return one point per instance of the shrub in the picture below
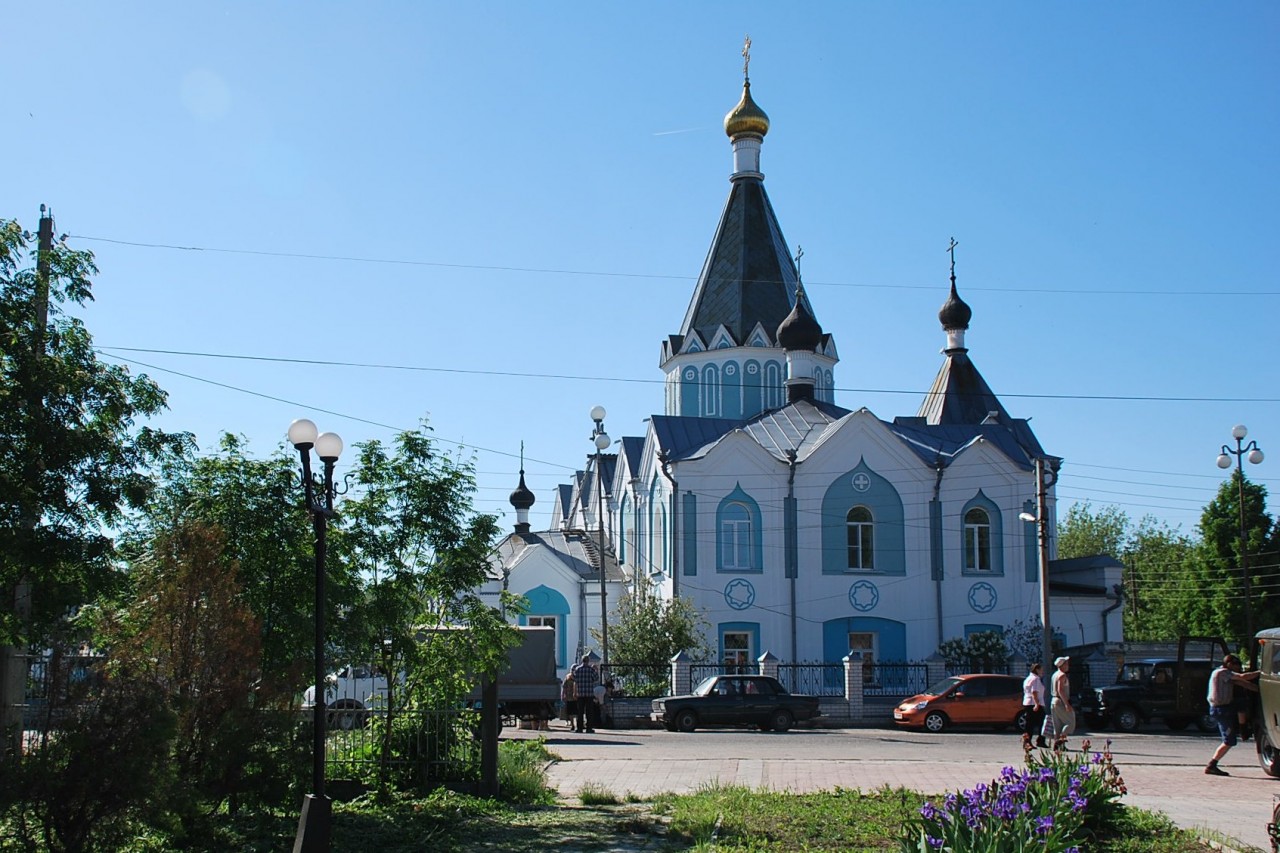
(1058, 803)
(522, 776)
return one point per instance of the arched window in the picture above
(735, 537)
(977, 540)
(861, 541)
(658, 557)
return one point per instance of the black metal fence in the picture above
(812, 679)
(642, 681)
(407, 748)
(897, 678)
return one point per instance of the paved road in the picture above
(1163, 771)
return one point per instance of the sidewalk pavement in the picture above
(1236, 807)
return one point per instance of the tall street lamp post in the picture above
(313, 825)
(1254, 454)
(601, 440)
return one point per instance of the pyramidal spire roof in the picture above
(959, 394)
(748, 277)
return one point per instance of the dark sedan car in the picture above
(735, 700)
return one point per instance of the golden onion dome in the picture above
(746, 117)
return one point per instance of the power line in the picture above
(559, 376)
(614, 274)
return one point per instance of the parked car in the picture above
(1266, 713)
(1172, 689)
(978, 699)
(349, 694)
(729, 700)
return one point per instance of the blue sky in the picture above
(533, 188)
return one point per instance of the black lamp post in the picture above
(1238, 432)
(313, 825)
(601, 440)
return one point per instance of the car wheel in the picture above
(1268, 753)
(1020, 721)
(346, 715)
(1177, 724)
(935, 721)
(1205, 723)
(781, 720)
(686, 721)
(1126, 719)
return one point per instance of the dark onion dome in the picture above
(955, 314)
(522, 498)
(746, 117)
(799, 331)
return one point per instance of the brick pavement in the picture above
(1237, 807)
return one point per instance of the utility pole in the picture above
(13, 658)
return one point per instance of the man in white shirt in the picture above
(1064, 716)
(1222, 684)
(1033, 703)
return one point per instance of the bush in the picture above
(1059, 803)
(522, 774)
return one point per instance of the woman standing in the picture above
(569, 698)
(1033, 702)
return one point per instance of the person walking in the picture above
(569, 700)
(1033, 703)
(1064, 716)
(585, 679)
(1222, 684)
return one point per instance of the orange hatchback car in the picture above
(965, 700)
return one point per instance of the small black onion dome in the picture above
(522, 498)
(799, 331)
(955, 314)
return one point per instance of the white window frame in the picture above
(863, 532)
(977, 541)
(735, 537)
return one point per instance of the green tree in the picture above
(257, 505)
(646, 631)
(1219, 567)
(74, 458)
(1163, 597)
(422, 555)
(1086, 532)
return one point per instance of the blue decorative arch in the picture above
(710, 391)
(689, 386)
(861, 486)
(545, 601)
(774, 393)
(981, 501)
(735, 502)
(731, 390)
(891, 637)
(752, 388)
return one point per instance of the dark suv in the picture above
(1154, 689)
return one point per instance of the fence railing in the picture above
(897, 679)
(812, 679)
(419, 748)
(643, 681)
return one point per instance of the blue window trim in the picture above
(984, 503)
(752, 628)
(755, 560)
(885, 505)
(545, 601)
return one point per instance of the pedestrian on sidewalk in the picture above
(1064, 716)
(1222, 684)
(1033, 704)
(569, 701)
(585, 679)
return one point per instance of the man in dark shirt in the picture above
(585, 679)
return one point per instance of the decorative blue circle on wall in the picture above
(739, 594)
(982, 597)
(864, 596)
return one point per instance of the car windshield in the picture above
(1134, 673)
(940, 687)
(704, 686)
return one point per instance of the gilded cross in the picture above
(746, 58)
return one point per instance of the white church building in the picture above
(795, 525)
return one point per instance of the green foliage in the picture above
(74, 459)
(1024, 638)
(107, 769)
(522, 772)
(1086, 532)
(649, 630)
(267, 534)
(1219, 570)
(595, 794)
(981, 651)
(410, 534)
(1060, 802)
